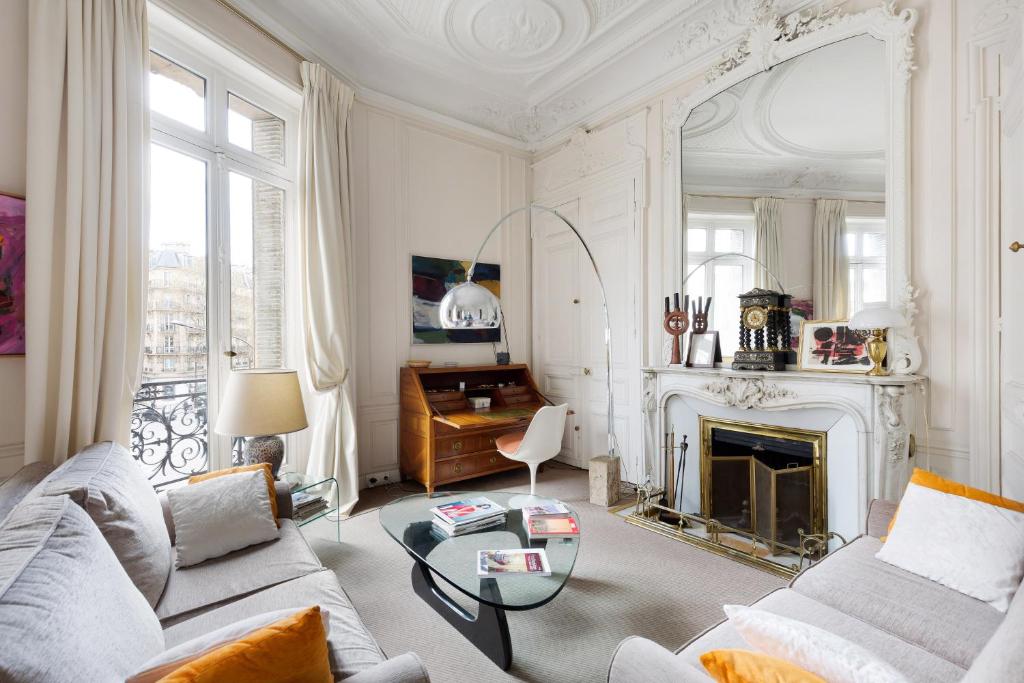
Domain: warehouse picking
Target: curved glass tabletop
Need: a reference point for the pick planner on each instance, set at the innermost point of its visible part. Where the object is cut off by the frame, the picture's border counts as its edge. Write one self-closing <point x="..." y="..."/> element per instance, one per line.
<point x="408" y="521"/>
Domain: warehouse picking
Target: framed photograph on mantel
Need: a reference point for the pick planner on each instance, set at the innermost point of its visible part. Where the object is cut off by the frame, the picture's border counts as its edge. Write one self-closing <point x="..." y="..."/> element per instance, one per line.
<point x="704" y="350"/>
<point x="832" y="346"/>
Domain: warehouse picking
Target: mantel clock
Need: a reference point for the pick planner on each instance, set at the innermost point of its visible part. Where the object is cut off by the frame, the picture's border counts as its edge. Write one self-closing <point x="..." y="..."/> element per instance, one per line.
<point x="764" y="331"/>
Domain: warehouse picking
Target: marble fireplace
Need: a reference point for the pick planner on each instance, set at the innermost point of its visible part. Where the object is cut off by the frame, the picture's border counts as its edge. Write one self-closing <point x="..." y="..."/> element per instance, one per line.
<point x="778" y="467"/>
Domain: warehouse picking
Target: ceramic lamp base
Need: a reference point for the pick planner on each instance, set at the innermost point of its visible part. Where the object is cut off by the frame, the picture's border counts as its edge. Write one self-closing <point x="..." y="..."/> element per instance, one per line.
<point x="260" y="449"/>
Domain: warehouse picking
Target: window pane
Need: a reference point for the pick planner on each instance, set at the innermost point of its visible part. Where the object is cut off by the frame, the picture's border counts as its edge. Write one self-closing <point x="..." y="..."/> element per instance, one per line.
<point x="169" y="428"/>
<point x="255" y="129"/>
<point x="874" y="245"/>
<point x="257" y="273"/>
<point x="176" y="92"/>
<point x="728" y="240"/>
<point x="725" y="306"/>
<point x="851" y="244"/>
<point x="697" y="240"/>
<point x="695" y="286"/>
<point x="874" y="284"/>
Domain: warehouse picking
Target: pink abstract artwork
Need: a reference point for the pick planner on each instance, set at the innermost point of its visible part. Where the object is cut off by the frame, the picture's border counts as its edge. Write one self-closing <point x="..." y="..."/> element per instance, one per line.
<point x="12" y="275"/>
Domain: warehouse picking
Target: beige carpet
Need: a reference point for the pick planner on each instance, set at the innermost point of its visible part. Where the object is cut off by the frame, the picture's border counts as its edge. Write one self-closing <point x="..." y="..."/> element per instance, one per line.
<point x="627" y="581"/>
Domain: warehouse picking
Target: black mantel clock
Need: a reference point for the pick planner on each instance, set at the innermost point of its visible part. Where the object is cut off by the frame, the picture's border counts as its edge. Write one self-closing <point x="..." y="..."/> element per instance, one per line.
<point x="764" y="331"/>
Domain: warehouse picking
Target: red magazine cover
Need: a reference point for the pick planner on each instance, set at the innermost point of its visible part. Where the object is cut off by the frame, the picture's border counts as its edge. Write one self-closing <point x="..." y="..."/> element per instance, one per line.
<point x="556" y="527"/>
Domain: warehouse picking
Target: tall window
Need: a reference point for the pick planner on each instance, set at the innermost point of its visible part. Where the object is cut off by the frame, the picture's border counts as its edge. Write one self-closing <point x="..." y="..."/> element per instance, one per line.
<point x="865" y="249"/>
<point x="724" y="279"/>
<point x="221" y="171"/>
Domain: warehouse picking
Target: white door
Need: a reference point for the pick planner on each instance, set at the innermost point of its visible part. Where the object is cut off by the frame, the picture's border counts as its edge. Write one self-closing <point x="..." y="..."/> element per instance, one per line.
<point x="1011" y="307"/>
<point x="569" y="323"/>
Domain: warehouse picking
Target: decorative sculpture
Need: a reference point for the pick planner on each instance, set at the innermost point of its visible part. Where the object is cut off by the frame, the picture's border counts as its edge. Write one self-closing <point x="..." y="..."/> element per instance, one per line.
<point x="676" y="323"/>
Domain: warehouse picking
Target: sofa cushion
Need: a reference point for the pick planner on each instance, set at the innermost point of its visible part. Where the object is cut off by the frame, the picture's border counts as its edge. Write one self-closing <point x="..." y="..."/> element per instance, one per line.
<point x="68" y="610"/>
<point x="639" y="660"/>
<point x="231" y="576"/>
<point x="105" y="481"/>
<point x="16" y="487"/>
<point x="913" y="662"/>
<point x="352" y="647"/>
<point x="1002" y="658"/>
<point x="943" y="621"/>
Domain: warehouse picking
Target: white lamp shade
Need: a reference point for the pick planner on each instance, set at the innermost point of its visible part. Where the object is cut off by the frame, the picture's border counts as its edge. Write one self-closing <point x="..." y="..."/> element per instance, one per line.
<point x="261" y="403"/>
<point x="877" y="317"/>
<point x="469" y="306"/>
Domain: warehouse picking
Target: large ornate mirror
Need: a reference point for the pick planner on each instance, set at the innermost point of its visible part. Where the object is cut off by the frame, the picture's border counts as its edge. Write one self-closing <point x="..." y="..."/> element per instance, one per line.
<point x="794" y="154"/>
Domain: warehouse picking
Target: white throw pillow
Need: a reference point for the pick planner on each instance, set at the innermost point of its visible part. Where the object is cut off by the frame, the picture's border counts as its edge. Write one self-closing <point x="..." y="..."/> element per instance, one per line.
<point x="970" y="546"/>
<point x="180" y="655"/>
<point x="220" y="515"/>
<point x="825" y="654"/>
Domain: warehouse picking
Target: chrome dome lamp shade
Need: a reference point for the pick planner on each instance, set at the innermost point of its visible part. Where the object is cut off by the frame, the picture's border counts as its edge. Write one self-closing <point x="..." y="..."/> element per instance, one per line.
<point x="469" y="306"/>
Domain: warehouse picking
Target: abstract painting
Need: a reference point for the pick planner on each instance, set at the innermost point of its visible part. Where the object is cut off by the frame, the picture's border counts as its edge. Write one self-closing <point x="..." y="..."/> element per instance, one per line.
<point x="800" y="310"/>
<point x="12" y="275"/>
<point x="831" y="346"/>
<point x="431" y="280"/>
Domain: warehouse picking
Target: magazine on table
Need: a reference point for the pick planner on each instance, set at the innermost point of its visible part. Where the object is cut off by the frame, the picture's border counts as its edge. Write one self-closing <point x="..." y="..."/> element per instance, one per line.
<point x="546" y="510"/>
<point x="529" y="561"/>
<point x="544" y="526"/>
<point x="467" y="511"/>
<point x="460" y="529"/>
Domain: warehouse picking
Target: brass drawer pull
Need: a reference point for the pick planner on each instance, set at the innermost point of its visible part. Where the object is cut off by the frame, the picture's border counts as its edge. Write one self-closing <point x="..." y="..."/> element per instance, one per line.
<point x="493" y="459"/>
<point x="491" y="440"/>
<point x="457" y="468"/>
<point x="457" y="446"/>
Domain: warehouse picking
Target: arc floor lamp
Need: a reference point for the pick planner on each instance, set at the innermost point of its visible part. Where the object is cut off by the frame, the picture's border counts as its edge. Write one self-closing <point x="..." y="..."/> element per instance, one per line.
<point x="469" y="306"/>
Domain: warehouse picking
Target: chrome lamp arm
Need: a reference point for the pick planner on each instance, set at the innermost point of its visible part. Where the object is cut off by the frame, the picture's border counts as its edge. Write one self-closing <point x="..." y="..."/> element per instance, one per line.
<point x="470" y="306"/>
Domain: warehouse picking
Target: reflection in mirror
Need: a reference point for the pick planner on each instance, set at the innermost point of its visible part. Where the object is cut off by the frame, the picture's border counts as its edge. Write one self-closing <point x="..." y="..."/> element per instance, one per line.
<point x="788" y="167"/>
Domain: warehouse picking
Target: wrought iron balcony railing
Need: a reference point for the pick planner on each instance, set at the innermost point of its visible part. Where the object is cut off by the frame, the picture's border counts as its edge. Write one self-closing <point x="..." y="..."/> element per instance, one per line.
<point x="170" y="430"/>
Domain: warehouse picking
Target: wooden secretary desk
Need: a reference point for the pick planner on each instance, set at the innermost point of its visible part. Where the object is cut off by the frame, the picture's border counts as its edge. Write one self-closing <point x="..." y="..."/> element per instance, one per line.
<point x="443" y="439"/>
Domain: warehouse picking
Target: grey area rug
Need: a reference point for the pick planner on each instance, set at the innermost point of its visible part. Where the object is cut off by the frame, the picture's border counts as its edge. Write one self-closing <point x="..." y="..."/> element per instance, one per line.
<point x="627" y="581"/>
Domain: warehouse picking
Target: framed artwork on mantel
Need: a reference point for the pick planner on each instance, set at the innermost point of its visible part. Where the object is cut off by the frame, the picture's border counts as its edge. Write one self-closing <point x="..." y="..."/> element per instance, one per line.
<point x="431" y="280"/>
<point x="12" y="275"/>
<point x="832" y="346"/>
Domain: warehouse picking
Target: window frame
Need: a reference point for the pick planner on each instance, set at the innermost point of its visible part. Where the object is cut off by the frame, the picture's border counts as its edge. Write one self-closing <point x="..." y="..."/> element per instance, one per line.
<point x="226" y="73"/>
<point x="855" y="225"/>
<point x="725" y="220"/>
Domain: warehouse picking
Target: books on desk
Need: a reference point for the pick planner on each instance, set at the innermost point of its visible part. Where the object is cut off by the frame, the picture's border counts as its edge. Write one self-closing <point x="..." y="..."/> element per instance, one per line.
<point x="531" y="561"/>
<point x="465" y="516"/>
<point x="305" y="505"/>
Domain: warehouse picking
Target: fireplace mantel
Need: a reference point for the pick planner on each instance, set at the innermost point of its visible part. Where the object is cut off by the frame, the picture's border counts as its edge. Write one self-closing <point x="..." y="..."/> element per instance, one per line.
<point x="872" y="445"/>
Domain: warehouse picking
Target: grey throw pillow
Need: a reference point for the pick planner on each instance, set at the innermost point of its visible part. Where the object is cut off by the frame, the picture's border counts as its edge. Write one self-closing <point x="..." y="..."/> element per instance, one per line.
<point x="105" y="481"/>
<point x="68" y="611"/>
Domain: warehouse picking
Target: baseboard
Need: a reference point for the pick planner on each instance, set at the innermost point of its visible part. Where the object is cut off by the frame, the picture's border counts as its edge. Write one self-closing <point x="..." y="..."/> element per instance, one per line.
<point x="12" y="457"/>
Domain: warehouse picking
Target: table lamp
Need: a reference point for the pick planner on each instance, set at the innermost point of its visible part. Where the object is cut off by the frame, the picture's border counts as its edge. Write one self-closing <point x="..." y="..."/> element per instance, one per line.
<point x="877" y="318"/>
<point x="261" y="404"/>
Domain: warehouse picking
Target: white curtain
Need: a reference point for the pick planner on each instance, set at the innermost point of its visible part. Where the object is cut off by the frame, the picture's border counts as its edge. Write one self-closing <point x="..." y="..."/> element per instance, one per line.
<point x="831" y="266"/>
<point x="87" y="185"/>
<point x="767" y="240"/>
<point x="327" y="275"/>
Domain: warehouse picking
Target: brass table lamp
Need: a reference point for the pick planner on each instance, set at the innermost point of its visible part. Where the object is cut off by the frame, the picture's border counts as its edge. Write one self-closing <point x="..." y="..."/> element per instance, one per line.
<point x="877" y="318"/>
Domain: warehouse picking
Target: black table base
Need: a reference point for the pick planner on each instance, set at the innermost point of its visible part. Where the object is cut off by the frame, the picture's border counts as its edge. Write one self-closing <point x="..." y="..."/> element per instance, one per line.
<point x="488" y="630"/>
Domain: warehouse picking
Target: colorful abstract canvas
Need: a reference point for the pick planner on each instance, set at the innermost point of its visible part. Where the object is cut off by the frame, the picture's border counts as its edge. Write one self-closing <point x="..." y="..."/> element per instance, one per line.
<point x="12" y="275"/>
<point x="832" y="346"/>
<point x="431" y="280"/>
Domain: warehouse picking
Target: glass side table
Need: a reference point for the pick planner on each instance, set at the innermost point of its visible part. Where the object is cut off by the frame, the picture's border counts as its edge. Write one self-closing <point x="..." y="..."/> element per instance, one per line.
<point x="324" y="487"/>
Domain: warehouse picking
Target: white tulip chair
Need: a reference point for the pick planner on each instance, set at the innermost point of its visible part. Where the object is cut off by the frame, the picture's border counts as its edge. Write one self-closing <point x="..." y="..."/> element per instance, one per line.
<point x="541" y="441"/>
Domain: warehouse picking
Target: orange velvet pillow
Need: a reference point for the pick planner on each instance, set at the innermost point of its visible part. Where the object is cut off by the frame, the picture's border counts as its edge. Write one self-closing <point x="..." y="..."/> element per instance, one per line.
<point x="265" y="466"/>
<point x="933" y="481"/>
<point x="292" y="650"/>
<point x="744" y="666"/>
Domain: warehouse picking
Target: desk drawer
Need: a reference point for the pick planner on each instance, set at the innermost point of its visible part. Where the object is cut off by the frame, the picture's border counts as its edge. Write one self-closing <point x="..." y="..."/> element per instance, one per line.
<point x="457" y="445"/>
<point x="474" y="464"/>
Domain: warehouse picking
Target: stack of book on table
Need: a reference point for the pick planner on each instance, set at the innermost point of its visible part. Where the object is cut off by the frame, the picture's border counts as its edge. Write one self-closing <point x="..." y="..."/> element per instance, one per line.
<point x="530" y="561"/>
<point x="549" y="520"/>
<point x="306" y="505"/>
<point x="465" y="516"/>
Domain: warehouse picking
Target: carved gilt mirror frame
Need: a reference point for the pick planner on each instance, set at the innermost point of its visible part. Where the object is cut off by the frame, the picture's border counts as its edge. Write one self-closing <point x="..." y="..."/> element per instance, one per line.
<point x="771" y="40"/>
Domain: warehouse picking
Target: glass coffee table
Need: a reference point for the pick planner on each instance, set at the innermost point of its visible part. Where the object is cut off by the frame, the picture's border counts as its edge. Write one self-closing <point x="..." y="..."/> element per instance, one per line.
<point x="454" y="561"/>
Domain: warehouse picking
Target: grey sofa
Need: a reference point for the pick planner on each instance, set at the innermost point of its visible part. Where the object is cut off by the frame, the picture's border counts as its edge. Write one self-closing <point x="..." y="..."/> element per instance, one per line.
<point x="926" y="631"/>
<point x="40" y="532"/>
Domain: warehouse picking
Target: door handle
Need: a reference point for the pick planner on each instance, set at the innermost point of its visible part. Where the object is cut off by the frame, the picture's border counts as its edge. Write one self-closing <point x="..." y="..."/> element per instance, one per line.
<point x="230" y="354"/>
<point x="575" y="301"/>
<point x="1016" y="246"/>
<point x="586" y="371"/>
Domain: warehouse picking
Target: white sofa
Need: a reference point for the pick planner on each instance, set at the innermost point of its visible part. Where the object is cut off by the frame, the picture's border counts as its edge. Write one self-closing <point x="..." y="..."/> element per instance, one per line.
<point x="69" y="611"/>
<point x="928" y="632"/>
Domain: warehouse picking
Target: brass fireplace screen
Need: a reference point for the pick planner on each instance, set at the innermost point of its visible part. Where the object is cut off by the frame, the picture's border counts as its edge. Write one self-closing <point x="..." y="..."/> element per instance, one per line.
<point x="765" y="481"/>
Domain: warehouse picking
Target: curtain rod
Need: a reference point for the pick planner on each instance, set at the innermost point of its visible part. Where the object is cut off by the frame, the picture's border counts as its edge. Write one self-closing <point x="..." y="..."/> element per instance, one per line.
<point x="743" y="196"/>
<point x="261" y="30"/>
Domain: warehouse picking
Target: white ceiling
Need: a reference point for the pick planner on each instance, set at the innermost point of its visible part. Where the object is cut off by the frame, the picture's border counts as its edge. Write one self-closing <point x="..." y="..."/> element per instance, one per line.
<point x="527" y="70"/>
<point x="813" y="125"/>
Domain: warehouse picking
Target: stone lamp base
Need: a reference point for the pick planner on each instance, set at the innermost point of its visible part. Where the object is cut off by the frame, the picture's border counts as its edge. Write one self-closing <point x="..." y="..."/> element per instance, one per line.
<point x="604" y="480"/>
<point x="260" y="449"/>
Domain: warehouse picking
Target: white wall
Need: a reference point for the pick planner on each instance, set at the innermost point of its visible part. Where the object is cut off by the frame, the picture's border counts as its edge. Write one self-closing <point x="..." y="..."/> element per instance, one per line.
<point x="419" y="188"/>
<point x="942" y="258"/>
<point x="14" y="89"/>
